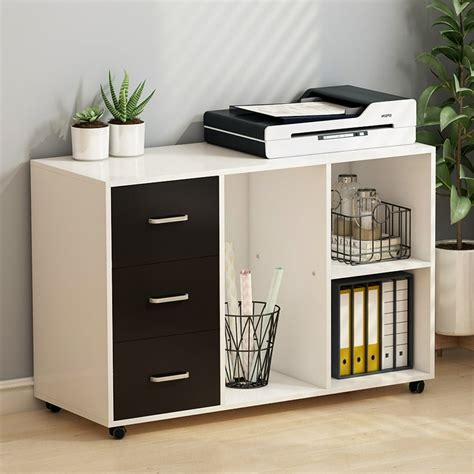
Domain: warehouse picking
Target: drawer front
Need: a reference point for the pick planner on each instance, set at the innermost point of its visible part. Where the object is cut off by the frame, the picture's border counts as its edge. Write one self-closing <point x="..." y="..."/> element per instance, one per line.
<point x="165" y="221"/>
<point x="166" y="374"/>
<point x="165" y="299"/>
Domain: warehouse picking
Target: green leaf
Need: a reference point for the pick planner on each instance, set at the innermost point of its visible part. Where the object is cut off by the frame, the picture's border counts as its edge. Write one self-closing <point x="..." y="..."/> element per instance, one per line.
<point x="461" y="91"/>
<point x="123" y="105"/>
<point x="107" y="103"/>
<point x="429" y="138"/>
<point x="453" y="36"/>
<point x="431" y="117"/>
<point x="459" y="6"/>
<point x="443" y="175"/>
<point x="140" y="107"/>
<point x="424" y="101"/>
<point x="460" y="206"/>
<point x="448" y="150"/>
<point x="112" y="91"/>
<point x="469" y="52"/>
<point x="443" y="8"/>
<point x="124" y="86"/>
<point x="448" y="21"/>
<point x="449" y="116"/>
<point x="452" y="53"/>
<point x="434" y="64"/>
<point x="469" y="181"/>
<point x="134" y="98"/>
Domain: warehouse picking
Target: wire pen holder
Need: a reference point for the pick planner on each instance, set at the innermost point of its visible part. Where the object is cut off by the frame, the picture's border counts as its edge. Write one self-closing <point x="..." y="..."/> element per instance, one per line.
<point x="380" y="235"/>
<point x="249" y="345"/>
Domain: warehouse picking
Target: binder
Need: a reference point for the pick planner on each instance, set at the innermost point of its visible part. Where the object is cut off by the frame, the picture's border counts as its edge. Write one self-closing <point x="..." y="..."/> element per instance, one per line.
<point x="373" y="318"/>
<point x="388" y="324"/>
<point x="345" y="360"/>
<point x="401" y="328"/>
<point x="358" y="329"/>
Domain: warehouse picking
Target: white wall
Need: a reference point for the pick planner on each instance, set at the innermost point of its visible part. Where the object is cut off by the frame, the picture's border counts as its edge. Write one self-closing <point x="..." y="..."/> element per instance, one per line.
<point x="200" y="55"/>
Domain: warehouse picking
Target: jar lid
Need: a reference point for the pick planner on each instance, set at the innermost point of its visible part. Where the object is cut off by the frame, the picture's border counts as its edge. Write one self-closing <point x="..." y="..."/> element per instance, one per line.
<point x="347" y="178"/>
<point x="366" y="192"/>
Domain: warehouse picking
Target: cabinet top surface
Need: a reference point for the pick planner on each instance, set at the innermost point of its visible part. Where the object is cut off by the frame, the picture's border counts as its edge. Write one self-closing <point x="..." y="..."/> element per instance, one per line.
<point x="195" y="160"/>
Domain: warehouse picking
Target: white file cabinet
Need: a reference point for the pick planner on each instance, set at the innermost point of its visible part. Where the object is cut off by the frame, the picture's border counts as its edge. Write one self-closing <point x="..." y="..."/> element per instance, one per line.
<point x="128" y="275"/>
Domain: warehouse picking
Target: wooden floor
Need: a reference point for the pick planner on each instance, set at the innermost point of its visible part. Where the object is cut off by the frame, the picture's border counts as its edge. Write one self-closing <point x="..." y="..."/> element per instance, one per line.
<point x="387" y="429"/>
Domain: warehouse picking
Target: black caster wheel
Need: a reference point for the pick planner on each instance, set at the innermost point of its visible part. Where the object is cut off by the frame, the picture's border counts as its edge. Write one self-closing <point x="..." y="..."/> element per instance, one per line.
<point x="417" y="387"/>
<point x="118" y="432"/>
<point x="52" y="408"/>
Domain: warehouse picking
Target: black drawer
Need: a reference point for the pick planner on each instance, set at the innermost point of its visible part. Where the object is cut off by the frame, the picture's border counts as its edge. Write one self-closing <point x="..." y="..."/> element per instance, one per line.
<point x="165" y="298"/>
<point x="166" y="374"/>
<point x="165" y="221"/>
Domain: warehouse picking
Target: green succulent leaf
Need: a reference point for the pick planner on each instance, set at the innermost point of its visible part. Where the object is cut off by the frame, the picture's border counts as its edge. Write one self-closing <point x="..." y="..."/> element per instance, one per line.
<point x="437" y="68"/>
<point x="112" y="91"/>
<point x="140" y="107"/>
<point x="460" y="206"/>
<point x="134" y="98"/>
<point x="448" y="116"/>
<point x="115" y="113"/>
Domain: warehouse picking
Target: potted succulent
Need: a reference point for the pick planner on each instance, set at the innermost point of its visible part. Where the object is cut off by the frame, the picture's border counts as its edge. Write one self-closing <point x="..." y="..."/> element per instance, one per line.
<point x="127" y="130"/>
<point x="90" y="136"/>
<point x="449" y="125"/>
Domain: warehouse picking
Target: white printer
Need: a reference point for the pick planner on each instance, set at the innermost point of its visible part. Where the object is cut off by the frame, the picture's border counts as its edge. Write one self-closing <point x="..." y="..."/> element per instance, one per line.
<point x="365" y="119"/>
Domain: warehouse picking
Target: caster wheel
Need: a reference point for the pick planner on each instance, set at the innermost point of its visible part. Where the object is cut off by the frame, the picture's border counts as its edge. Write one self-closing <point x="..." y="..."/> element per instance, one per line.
<point x="52" y="408"/>
<point x="118" y="432"/>
<point x="417" y="387"/>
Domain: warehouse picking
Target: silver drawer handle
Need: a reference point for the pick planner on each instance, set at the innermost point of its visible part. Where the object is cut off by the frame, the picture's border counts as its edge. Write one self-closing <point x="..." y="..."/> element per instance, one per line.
<point x="169" y="378"/>
<point x="169" y="299"/>
<point x="168" y="220"/>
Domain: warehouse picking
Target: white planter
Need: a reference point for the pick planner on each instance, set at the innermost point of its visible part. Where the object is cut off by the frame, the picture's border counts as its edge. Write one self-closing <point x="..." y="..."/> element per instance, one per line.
<point x="127" y="140"/>
<point x="90" y="144"/>
<point x="454" y="291"/>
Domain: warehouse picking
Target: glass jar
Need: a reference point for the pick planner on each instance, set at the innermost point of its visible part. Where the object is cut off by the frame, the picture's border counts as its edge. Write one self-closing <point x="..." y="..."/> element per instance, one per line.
<point x="368" y="215"/>
<point x="341" y="196"/>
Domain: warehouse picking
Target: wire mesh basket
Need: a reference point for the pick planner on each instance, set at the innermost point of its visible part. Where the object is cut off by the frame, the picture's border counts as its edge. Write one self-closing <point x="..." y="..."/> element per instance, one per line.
<point x="385" y="234"/>
<point x="249" y="346"/>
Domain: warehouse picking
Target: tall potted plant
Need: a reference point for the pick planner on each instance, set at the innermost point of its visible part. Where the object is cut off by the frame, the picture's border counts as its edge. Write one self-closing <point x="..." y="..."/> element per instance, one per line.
<point x="446" y="120"/>
<point x="127" y="130"/>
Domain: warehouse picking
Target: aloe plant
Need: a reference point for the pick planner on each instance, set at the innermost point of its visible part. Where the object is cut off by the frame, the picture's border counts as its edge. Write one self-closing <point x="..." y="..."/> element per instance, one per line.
<point x="449" y="125"/>
<point x="125" y="108"/>
<point x="89" y="114"/>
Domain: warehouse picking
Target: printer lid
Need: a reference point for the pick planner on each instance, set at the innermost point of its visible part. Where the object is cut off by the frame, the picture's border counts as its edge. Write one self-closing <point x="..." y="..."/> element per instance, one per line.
<point x="349" y="95"/>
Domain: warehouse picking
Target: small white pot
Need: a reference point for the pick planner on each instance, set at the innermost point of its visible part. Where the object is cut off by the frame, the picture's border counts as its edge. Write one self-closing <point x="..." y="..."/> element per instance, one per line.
<point x="90" y="144"/>
<point x="454" y="291"/>
<point x="127" y="140"/>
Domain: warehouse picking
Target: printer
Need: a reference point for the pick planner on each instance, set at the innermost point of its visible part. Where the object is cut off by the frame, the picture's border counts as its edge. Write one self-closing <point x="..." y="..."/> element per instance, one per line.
<point x="369" y="119"/>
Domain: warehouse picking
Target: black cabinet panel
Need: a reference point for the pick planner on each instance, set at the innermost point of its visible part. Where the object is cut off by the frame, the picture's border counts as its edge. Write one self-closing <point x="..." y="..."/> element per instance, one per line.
<point x="135" y="317"/>
<point x="136" y="241"/>
<point x="166" y="374"/>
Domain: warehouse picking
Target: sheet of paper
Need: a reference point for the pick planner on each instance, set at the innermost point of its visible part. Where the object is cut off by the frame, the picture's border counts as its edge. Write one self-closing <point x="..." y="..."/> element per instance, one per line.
<point x="297" y="109"/>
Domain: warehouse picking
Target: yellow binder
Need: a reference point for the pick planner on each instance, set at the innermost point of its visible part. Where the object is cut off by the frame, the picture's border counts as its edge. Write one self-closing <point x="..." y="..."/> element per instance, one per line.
<point x="345" y="333"/>
<point x="358" y="355"/>
<point x="373" y="316"/>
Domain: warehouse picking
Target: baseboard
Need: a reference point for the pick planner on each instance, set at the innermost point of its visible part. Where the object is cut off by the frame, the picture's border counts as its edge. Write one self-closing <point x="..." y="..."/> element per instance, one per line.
<point x="17" y="395"/>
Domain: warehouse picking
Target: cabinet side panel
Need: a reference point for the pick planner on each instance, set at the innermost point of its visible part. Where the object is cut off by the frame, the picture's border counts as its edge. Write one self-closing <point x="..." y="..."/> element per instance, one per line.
<point x="69" y="239"/>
